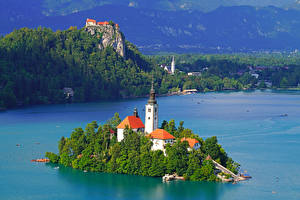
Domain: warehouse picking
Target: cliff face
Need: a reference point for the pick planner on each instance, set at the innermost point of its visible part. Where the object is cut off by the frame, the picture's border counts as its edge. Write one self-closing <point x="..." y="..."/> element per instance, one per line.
<point x="109" y="35"/>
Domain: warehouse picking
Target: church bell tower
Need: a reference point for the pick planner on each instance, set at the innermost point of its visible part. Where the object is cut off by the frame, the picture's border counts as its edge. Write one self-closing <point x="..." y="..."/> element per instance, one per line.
<point x="173" y="66"/>
<point x="151" y="112"/>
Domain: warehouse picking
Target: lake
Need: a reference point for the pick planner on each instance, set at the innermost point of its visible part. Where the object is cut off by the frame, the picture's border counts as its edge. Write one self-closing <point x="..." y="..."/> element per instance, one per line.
<point x="251" y="126"/>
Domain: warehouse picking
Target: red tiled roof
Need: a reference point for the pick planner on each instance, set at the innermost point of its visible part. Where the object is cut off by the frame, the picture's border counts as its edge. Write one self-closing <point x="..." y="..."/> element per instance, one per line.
<point x="160" y="134"/>
<point x="102" y="23"/>
<point x="90" y="20"/>
<point x="111" y="131"/>
<point x="208" y="157"/>
<point x="191" y="141"/>
<point x="132" y="122"/>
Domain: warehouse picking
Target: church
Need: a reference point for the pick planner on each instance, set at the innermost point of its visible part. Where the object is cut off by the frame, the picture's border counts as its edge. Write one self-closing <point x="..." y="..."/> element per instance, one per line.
<point x="159" y="137"/>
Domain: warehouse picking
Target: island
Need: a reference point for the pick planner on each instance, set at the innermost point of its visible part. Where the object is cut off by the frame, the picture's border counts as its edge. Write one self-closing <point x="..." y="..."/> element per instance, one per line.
<point x="132" y="147"/>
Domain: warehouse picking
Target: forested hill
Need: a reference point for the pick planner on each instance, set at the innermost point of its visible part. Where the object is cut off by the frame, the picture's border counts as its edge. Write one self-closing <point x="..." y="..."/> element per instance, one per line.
<point x="36" y="64"/>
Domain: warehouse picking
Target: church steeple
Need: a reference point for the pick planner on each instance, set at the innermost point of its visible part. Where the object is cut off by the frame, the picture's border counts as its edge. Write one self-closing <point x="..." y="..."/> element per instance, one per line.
<point x="151" y="112"/>
<point x="173" y="65"/>
<point x="152" y="99"/>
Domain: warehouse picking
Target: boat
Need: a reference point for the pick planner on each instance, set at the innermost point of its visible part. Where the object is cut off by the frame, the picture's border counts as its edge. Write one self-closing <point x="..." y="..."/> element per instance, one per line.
<point x="246" y="176"/>
<point x="40" y="160"/>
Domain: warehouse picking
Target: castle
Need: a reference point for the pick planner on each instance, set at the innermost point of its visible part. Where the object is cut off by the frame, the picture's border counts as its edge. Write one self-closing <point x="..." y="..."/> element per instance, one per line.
<point x="92" y="22"/>
<point x="108" y="34"/>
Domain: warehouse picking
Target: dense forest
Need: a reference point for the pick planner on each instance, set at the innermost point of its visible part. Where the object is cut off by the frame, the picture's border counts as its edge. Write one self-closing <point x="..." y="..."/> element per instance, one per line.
<point x="96" y="149"/>
<point x="37" y="64"/>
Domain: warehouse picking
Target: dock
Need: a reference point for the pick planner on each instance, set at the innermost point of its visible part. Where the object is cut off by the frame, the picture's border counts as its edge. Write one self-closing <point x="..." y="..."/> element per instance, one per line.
<point x="235" y="178"/>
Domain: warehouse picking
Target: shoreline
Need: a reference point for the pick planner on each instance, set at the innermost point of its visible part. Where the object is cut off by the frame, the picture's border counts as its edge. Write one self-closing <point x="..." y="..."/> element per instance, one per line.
<point x="2" y="109"/>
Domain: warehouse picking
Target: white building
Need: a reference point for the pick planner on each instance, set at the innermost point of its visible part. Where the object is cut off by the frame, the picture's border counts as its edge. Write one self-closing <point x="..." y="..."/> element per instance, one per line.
<point x="151" y="113"/>
<point x="194" y="74"/>
<point x="193" y="143"/>
<point x="160" y="138"/>
<point x="90" y="22"/>
<point x="133" y="122"/>
<point x="173" y="66"/>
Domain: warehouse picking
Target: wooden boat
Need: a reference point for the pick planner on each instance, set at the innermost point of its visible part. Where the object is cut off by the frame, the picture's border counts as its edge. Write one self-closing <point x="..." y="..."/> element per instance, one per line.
<point x="40" y="160"/>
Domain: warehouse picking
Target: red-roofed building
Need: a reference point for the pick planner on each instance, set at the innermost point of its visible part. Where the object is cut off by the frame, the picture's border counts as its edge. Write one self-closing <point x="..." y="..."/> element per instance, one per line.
<point x="133" y="122"/>
<point x="90" y="22"/>
<point x="103" y="23"/>
<point x="193" y="143"/>
<point x="160" y="138"/>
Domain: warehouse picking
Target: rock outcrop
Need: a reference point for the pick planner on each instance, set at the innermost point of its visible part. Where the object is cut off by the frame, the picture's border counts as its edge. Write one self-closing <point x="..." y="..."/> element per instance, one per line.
<point x="109" y="35"/>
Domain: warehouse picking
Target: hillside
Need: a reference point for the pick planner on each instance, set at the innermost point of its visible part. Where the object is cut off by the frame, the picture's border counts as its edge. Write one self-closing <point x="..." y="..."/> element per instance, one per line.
<point x="39" y="66"/>
<point x="224" y="30"/>
<point x="36" y="64"/>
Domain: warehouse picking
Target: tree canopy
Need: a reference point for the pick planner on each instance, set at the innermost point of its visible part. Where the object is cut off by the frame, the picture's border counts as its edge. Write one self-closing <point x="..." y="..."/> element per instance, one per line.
<point x="96" y="149"/>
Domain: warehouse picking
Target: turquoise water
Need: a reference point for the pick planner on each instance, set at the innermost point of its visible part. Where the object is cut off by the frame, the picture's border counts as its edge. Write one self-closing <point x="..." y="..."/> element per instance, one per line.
<point x="248" y="126"/>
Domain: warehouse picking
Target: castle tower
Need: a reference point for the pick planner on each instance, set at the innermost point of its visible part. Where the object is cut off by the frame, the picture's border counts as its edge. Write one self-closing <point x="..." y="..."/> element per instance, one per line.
<point x="173" y="65"/>
<point x="151" y="112"/>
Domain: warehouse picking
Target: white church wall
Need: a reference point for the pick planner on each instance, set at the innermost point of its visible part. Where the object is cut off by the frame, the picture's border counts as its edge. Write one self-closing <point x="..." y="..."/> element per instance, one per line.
<point x="120" y="134"/>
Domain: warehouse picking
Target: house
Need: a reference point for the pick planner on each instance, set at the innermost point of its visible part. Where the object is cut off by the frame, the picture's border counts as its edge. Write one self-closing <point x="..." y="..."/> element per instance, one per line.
<point x="194" y="74"/>
<point x="90" y="22"/>
<point x="69" y="92"/>
<point x="133" y="122"/>
<point x="112" y="133"/>
<point x="193" y="143"/>
<point x="160" y="138"/>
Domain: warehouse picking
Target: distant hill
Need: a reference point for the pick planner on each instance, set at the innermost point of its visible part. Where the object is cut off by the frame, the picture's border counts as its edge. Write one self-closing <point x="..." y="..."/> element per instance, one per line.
<point x="63" y="7"/>
<point x="226" y="29"/>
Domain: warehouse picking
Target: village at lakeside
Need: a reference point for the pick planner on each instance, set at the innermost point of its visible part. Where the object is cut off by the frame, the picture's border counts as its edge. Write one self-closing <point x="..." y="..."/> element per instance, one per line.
<point x="130" y="147"/>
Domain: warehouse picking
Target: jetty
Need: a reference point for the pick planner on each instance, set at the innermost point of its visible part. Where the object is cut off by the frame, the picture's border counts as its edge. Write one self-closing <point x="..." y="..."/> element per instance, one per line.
<point x="235" y="178"/>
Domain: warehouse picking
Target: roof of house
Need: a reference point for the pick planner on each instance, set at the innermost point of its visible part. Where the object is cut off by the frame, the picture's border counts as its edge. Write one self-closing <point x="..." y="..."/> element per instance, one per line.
<point x="132" y="122"/>
<point x="191" y="141"/>
<point x="111" y="131"/>
<point x="90" y="20"/>
<point x="102" y="23"/>
<point x="161" y="134"/>
<point x="208" y="157"/>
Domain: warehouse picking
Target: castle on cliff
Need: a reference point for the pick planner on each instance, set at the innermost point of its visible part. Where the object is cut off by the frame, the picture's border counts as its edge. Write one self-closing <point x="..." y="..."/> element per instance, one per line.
<point x="92" y="22"/>
<point x="108" y="33"/>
